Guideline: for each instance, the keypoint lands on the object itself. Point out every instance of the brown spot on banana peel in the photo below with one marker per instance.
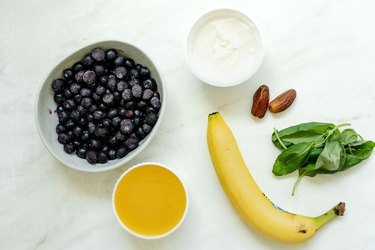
(340, 209)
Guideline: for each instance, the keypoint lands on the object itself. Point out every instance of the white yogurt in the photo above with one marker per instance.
(224, 48)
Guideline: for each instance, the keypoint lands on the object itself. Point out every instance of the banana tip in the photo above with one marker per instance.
(340, 209)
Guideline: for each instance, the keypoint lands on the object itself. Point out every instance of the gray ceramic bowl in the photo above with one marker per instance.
(46, 117)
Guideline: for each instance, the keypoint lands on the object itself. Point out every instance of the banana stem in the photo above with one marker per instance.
(323, 219)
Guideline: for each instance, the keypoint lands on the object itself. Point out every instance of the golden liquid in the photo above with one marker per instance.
(150, 200)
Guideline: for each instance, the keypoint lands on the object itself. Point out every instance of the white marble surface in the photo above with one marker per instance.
(324, 49)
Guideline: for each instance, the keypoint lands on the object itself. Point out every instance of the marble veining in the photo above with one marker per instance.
(325, 50)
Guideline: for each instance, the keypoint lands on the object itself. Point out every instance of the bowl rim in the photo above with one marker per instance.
(119, 162)
(142, 164)
(188, 56)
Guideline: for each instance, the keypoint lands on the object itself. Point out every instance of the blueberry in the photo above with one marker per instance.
(77, 67)
(108, 98)
(101, 132)
(112, 140)
(138, 113)
(96, 97)
(147, 94)
(86, 102)
(126, 126)
(129, 63)
(85, 92)
(68, 74)
(111, 83)
(120, 137)
(99, 70)
(91, 157)
(102, 157)
(75, 115)
(91, 127)
(144, 72)
(63, 138)
(69, 148)
(81, 152)
(63, 117)
(102, 107)
(60, 128)
(103, 79)
(146, 128)
(149, 84)
(75, 88)
(93, 108)
(79, 76)
(120, 72)
(133, 82)
(129, 113)
(121, 86)
(78, 98)
(70, 124)
(106, 123)
(89, 77)
(57, 85)
(90, 117)
(112, 113)
(105, 149)
(127, 95)
(60, 109)
(100, 90)
(131, 143)
(150, 110)
(116, 96)
(59, 98)
(121, 152)
(98, 54)
(112, 154)
(98, 115)
(155, 102)
(130, 105)
(142, 105)
(82, 121)
(116, 121)
(111, 54)
(69, 104)
(120, 61)
(137, 121)
(88, 60)
(77, 143)
(85, 135)
(137, 91)
(77, 131)
(67, 93)
(94, 144)
(140, 133)
(122, 112)
(151, 118)
(138, 66)
(133, 73)
(157, 94)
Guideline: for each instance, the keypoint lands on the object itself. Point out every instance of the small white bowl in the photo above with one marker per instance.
(45, 106)
(135, 233)
(242, 73)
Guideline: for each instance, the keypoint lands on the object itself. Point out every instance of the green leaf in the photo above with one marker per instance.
(304, 132)
(348, 136)
(332, 156)
(292, 158)
(308, 170)
(358, 153)
(314, 154)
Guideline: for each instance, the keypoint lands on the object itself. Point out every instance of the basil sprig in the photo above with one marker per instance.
(318, 148)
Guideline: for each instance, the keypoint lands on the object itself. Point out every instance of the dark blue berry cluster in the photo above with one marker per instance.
(106, 104)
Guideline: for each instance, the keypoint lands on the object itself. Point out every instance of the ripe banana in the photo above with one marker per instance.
(247, 198)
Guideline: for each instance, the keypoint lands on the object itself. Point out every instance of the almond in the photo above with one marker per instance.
(283, 101)
(260, 101)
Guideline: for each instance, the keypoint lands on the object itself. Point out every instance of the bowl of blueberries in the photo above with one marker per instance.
(100, 106)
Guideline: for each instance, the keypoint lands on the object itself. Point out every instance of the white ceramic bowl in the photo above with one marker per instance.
(45, 106)
(135, 233)
(203, 73)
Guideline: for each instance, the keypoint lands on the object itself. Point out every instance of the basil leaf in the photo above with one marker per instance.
(348, 136)
(332, 157)
(291, 159)
(304, 132)
(358, 153)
